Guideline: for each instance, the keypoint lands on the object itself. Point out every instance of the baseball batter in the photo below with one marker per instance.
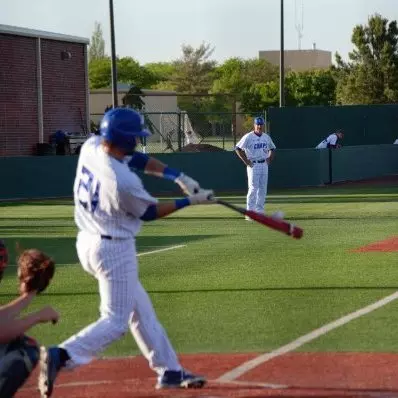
(256, 150)
(110, 205)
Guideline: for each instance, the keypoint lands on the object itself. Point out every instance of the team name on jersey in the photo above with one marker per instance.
(260, 145)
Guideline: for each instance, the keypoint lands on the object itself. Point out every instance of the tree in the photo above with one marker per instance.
(371, 74)
(313, 87)
(99, 73)
(237, 75)
(128, 71)
(248, 79)
(260, 96)
(162, 70)
(97, 46)
(193, 71)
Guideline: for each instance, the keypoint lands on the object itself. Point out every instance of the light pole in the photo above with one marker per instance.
(282, 61)
(113, 56)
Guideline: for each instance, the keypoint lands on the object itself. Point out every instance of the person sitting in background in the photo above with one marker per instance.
(395, 142)
(19, 353)
(331, 140)
(61, 142)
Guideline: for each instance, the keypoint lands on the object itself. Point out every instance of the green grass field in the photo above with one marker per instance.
(236, 286)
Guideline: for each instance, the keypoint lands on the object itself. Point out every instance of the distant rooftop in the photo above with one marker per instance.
(18, 31)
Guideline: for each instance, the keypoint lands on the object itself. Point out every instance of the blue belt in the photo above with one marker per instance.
(258, 161)
(106, 237)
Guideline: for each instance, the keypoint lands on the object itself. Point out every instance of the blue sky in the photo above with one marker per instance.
(154, 30)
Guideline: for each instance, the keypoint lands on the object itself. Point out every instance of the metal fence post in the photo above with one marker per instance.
(179, 132)
(330, 166)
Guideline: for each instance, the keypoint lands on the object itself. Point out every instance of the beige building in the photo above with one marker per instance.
(300, 60)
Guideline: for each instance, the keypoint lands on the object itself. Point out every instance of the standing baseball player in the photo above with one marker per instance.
(331, 140)
(256, 150)
(110, 205)
(19, 354)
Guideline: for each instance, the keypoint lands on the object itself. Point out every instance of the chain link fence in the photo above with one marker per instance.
(191, 131)
(188, 122)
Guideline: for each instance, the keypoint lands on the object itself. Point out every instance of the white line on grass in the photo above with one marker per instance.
(143, 254)
(161, 250)
(253, 363)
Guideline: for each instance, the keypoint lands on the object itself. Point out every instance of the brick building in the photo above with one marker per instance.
(43, 87)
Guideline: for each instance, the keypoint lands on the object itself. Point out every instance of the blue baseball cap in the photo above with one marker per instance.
(259, 121)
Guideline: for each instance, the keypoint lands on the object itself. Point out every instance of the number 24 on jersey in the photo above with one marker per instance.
(88, 190)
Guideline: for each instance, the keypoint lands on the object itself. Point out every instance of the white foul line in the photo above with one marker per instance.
(88, 383)
(161, 250)
(142, 254)
(253, 363)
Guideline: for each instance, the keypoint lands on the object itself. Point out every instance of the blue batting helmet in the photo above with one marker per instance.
(259, 121)
(121, 126)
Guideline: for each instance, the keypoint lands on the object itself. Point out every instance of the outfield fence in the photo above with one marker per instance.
(52, 176)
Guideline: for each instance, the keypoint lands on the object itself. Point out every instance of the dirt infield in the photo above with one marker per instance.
(387, 245)
(291, 375)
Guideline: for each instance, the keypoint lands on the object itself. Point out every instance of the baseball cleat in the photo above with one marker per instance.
(180, 379)
(50, 364)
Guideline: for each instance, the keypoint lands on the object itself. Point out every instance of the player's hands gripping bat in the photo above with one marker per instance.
(35, 271)
(276, 223)
(187, 184)
(204, 197)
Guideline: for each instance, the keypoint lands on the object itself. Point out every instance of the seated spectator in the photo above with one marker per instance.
(331, 140)
(61, 142)
(19, 353)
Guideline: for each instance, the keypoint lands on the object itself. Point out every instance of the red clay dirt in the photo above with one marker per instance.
(291, 375)
(387, 245)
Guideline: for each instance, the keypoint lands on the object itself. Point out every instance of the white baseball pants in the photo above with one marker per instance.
(124, 304)
(257, 180)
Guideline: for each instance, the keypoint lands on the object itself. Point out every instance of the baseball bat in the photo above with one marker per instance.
(273, 223)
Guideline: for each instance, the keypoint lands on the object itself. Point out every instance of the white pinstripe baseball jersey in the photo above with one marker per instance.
(330, 139)
(109, 197)
(256, 147)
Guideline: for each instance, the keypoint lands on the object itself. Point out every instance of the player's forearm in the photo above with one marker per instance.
(11, 329)
(161, 210)
(14, 308)
(242, 156)
(271, 156)
(155, 167)
(152, 166)
(164, 209)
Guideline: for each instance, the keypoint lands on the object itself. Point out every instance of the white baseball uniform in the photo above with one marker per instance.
(331, 139)
(109, 201)
(257, 149)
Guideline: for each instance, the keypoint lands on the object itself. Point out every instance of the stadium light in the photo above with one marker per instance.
(282, 61)
(113, 56)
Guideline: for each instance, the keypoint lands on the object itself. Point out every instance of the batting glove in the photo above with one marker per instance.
(187, 184)
(204, 197)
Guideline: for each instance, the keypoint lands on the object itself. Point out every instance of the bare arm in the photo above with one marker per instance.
(11, 329)
(14, 308)
(242, 154)
(161, 210)
(155, 167)
(271, 156)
